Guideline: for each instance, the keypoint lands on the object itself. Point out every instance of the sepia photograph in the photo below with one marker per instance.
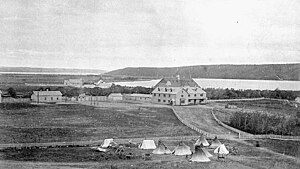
(149, 84)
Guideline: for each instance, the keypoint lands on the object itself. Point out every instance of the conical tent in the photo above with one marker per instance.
(182, 149)
(108, 142)
(199, 155)
(202, 140)
(206, 152)
(147, 144)
(161, 149)
(221, 150)
(215, 143)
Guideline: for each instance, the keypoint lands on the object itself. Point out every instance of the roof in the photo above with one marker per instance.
(193, 90)
(140, 95)
(175, 82)
(115, 95)
(167, 90)
(75, 80)
(47, 93)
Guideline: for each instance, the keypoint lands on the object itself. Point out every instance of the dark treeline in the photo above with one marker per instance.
(213, 93)
(73, 91)
(264, 123)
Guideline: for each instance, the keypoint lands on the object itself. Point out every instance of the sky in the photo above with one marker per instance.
(113, 34)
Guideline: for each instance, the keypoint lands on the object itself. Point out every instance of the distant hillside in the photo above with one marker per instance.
(50, 70)
(258, 72)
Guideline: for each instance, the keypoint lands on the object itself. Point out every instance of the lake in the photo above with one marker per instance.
(229, 83)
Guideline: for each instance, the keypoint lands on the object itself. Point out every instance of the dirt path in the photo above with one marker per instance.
(201, 118)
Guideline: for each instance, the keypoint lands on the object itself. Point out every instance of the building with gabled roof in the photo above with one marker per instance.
(178, 92)
(46, 96)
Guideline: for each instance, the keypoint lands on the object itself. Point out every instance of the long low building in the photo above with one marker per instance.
(138, 97)
(46, 96)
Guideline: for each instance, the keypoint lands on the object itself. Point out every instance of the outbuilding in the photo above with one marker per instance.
(46, 96)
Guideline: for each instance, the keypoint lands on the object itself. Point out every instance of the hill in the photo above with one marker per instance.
(257, 72)
(50, 70)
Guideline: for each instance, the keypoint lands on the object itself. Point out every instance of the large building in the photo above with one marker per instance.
(74, 82)
(178, 92)
(46, 96)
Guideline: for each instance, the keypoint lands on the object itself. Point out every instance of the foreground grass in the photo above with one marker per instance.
(248, 157)
(58, 123)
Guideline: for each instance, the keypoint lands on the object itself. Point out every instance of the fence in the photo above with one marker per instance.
(15, 100)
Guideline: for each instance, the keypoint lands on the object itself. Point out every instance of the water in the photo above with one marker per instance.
(229, 83)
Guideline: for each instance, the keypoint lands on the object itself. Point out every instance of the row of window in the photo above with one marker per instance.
(165, 89)
(164, 101)
(51, 98)
(164, 95)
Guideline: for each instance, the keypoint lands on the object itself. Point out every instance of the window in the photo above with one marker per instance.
(158, 89)
(158, 95)
(195, 95)
(181, 95)
(189, 95)
(164, 95)
(171, 90)
(45, 98)
(166, 89)
(158, 100)
(164, 100)
(169, 101)
(57, 98)
(51, 98)
(169, 95)
(201, 94)
(154, 94)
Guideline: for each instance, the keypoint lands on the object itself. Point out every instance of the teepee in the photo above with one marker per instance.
(199, 155)
(161, 149)
(182, 149)
(221, 150)
(206, 152)
(215, 143)
(108, 142)
(202, 140)
(147, 144)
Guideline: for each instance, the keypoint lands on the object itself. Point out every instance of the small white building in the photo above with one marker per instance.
(115, 97)
(46, 96)
(297, 99)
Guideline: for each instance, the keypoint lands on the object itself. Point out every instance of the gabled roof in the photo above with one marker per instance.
(140, 95)
(47, 93)
(193, 90)
(175, 82)
(115, 95)
(167, 90)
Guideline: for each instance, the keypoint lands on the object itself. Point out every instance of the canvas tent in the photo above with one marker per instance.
(221, 150)
(206, 152)
(161, 149)
(215, 143)
(182, 149)
(108, 142)
(202, 140)
(147, 144)
(199, 155)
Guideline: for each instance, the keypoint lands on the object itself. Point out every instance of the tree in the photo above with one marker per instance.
(11, 91)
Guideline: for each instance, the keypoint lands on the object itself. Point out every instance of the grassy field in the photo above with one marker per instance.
(25, 123)
(287, 147)
(248, 157)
